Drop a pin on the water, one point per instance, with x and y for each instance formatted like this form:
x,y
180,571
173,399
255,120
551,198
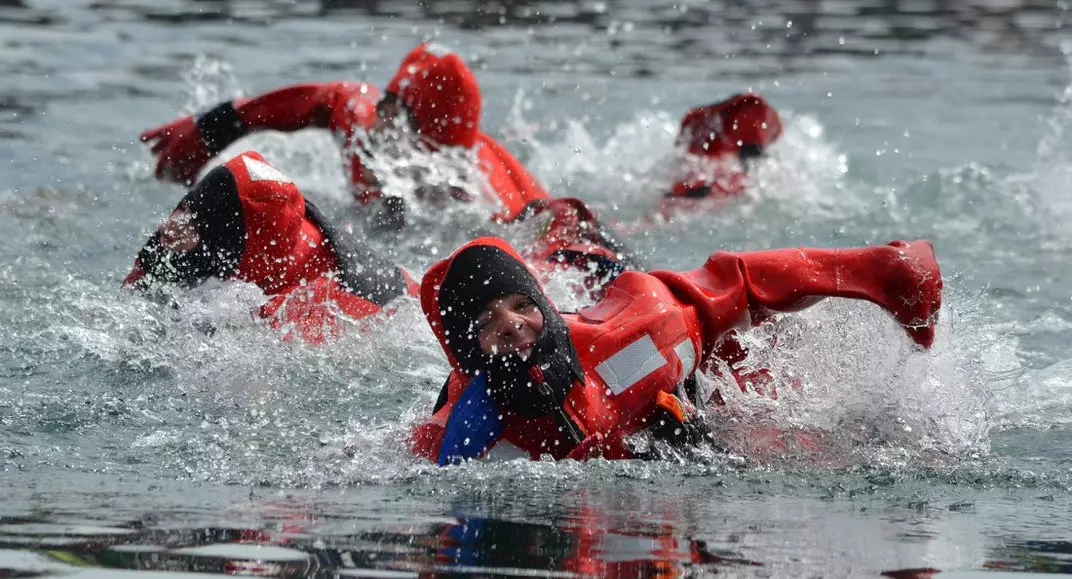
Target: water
x,y
143,438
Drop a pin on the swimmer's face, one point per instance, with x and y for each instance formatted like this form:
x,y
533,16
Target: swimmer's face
x,y
179,232
392,118
510,323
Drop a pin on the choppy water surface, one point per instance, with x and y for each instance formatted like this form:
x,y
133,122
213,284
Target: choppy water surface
x,y
145,438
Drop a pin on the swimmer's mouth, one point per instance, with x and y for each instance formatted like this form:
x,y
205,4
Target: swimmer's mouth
x,y
525,351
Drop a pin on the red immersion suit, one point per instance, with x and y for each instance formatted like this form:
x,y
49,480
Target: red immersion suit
x,y
435,86
253,225
653,330
721,138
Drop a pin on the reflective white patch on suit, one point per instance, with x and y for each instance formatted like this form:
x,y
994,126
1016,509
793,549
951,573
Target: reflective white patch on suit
x,y
505,451
686,352
259,171
630,364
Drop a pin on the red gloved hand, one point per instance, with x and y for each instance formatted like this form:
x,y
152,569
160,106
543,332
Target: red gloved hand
x,y
179,150
915,289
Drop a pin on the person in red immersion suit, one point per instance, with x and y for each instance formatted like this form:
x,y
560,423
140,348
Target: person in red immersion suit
x,y
433,101
246,221
721,141
527,380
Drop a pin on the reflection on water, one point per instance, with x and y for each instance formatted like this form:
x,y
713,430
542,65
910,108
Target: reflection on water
x,y
580,547
754,524
465,546
1032,555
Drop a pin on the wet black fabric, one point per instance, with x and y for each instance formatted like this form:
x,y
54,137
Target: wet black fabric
x,y
444,396
478,275
217,213
751,151
699,192
361,271
220,127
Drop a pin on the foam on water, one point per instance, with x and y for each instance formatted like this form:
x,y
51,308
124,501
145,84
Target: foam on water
x,y
848,376
1052,173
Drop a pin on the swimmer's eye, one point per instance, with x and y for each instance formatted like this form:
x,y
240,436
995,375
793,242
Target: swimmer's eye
x,y
525,305
521,306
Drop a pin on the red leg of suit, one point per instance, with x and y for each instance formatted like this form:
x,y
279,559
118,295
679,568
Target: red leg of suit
x,y
902,277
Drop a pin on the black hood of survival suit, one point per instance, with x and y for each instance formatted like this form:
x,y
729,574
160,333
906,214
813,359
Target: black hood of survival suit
x,y
217,213
360,270
478,275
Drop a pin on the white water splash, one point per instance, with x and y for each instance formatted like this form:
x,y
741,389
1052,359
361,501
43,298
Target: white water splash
x,y
847,374
406,170
208,82
628,171
1052,174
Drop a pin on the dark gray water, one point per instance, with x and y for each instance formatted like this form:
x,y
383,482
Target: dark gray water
x,y
131,438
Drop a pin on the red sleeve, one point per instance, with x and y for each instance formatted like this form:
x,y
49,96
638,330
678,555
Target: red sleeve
x,y
512,184
339,106
427,435
311,312
903,278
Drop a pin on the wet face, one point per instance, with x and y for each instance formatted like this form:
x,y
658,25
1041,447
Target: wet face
x,y
179,232
177,254
392,118
511,323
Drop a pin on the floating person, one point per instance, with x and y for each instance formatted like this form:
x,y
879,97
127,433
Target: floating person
x,y
433,102
721,141
528,381
247,221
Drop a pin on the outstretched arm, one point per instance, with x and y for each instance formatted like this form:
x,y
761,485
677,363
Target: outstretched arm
x,y
902,277
183,146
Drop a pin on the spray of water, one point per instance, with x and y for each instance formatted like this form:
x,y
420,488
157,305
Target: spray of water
x,y
627,172
208,82
844,384
1053,170
431,182
1037,396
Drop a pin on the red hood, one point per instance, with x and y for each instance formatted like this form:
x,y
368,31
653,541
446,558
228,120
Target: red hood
x,y
721,128
441,93
273,211
432,281
740,126
251,209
